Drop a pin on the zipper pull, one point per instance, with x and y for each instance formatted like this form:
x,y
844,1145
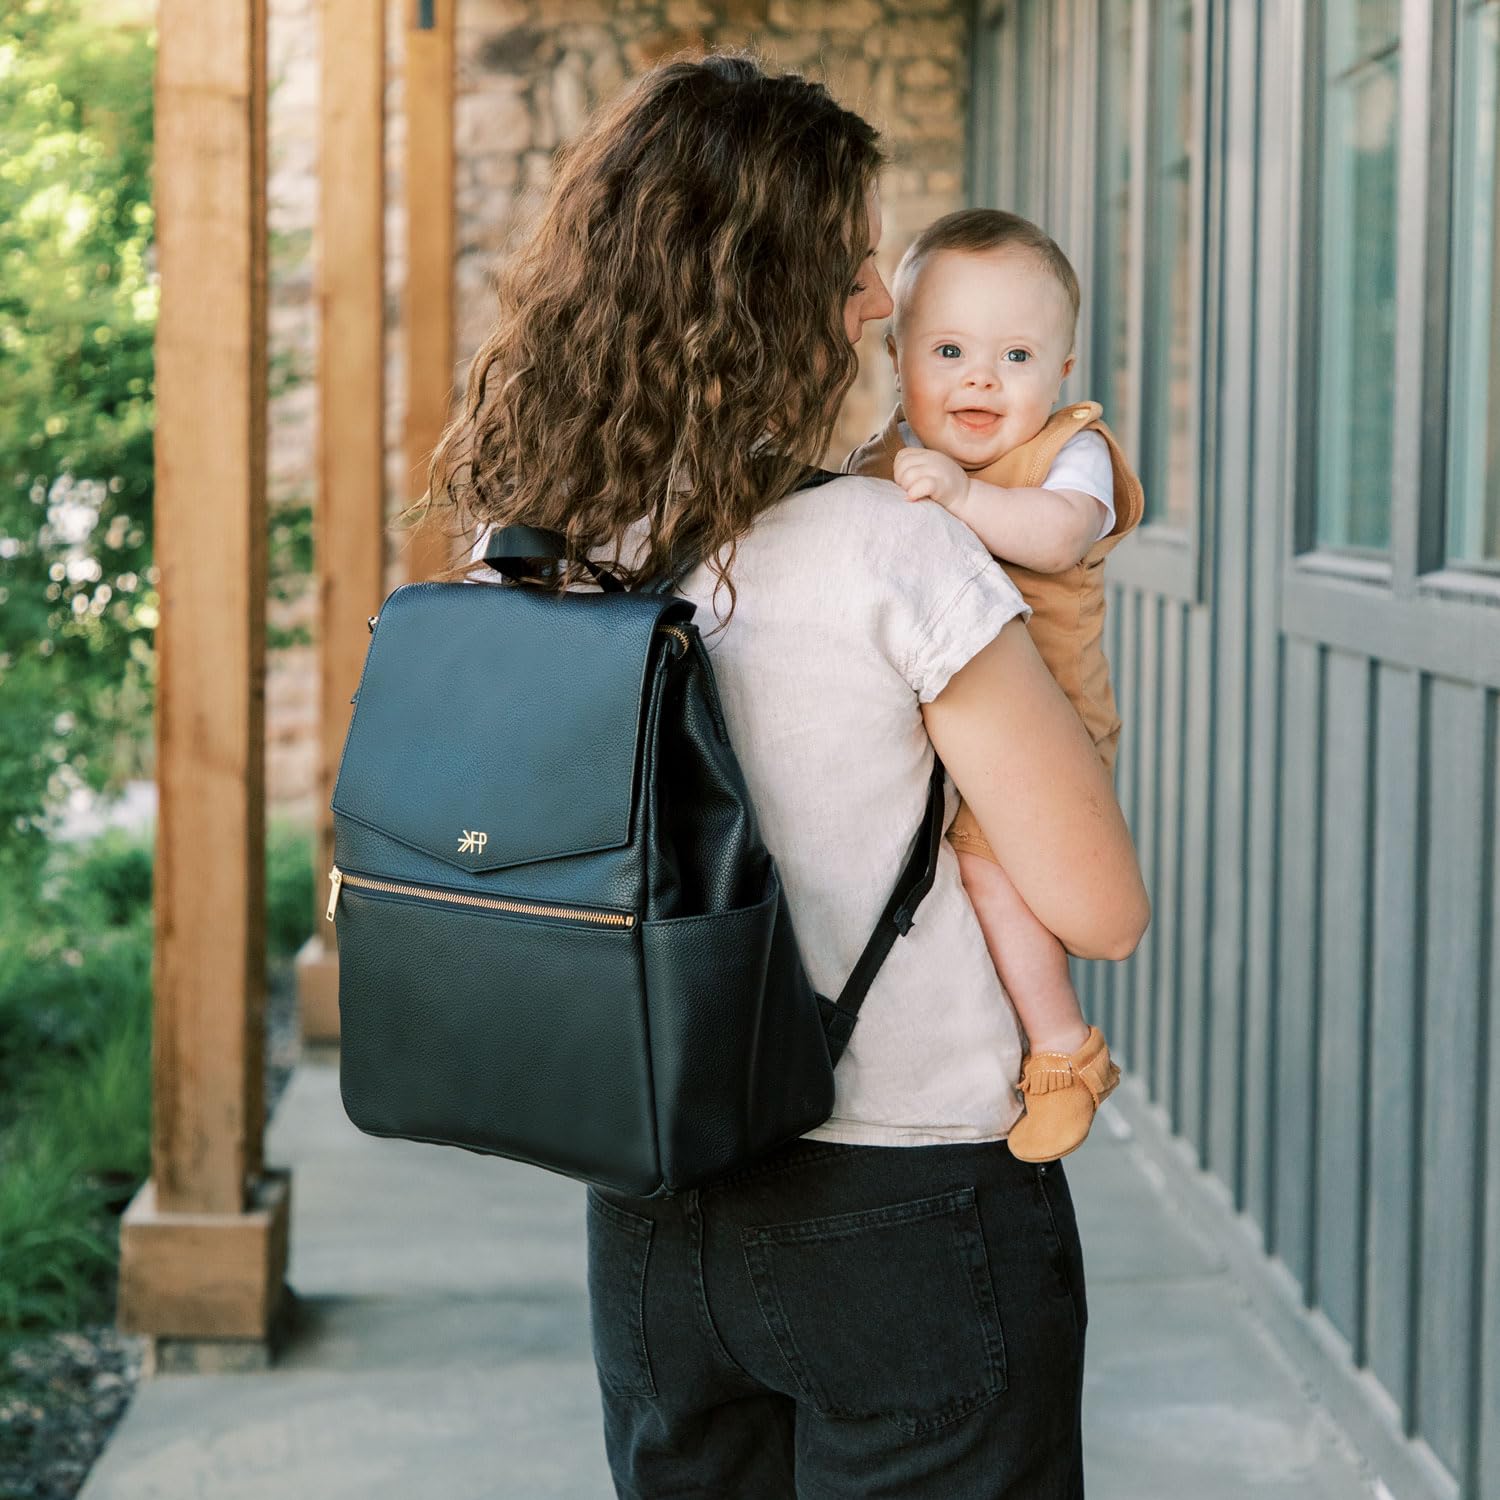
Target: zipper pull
x,y
335,882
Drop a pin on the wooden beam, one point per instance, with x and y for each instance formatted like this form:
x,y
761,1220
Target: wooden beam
x,y
351,422
211,550
428,310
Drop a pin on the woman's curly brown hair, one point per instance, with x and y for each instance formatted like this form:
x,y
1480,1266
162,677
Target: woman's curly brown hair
x,y
670,345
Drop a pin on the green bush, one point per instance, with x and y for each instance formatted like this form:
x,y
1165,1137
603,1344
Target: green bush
x,y
75,1063
75,964
56,1248
75,1079
289,888
78,612
78,604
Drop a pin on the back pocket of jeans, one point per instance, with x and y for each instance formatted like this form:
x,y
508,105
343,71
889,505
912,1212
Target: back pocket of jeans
x,y
619,1253
888,1312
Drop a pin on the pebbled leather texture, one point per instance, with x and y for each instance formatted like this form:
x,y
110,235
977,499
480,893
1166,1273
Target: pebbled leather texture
x,y
649,1054
427,708
738,1058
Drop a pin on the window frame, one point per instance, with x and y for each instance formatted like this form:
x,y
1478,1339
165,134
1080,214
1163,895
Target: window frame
x,y
1059,163
986,162
1167,559
1102,307
1019,176
1161,557
1410,608
1434,549
1351,560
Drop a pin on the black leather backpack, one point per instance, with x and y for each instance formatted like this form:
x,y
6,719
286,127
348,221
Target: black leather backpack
x,y
561,939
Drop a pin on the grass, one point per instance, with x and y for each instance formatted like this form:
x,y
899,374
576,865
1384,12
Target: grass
x,y
57,1253
75,1065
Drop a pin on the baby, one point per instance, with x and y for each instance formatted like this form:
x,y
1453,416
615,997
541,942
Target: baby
x,y
982,338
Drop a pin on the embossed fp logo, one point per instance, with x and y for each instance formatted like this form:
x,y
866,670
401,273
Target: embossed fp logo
x,y
473,843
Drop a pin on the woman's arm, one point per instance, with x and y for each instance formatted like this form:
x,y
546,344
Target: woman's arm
x,y
1020,756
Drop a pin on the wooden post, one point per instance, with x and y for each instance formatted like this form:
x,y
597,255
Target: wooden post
x,y
203,1244
351,437
428,311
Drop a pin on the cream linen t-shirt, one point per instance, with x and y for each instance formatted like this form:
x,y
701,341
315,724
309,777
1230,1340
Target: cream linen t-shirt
x,y
854,607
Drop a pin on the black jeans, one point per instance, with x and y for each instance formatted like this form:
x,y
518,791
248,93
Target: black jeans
x,y
844,1323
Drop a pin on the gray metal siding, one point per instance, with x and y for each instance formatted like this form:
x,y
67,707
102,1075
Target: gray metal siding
x,y
1337,1073
1310,770
1394,1030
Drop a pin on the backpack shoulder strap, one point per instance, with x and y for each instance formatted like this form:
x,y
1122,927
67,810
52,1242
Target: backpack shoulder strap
x,y
895,921
916,877
521,552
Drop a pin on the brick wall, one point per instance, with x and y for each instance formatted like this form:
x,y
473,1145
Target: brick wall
x,y
528,73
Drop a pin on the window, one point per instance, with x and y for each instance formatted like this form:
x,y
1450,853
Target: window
x,y
1112,354
1395,370
995,110
1170,391
1473,494
1017,76
1356,332
1033,26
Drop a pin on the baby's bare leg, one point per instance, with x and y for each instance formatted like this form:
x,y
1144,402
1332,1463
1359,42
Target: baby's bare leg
x,y
1032,964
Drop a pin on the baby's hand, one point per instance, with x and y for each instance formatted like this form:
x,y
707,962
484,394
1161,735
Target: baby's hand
x,y
928,475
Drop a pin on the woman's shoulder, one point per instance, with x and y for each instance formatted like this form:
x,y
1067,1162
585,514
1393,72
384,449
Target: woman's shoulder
x,y
922,583
870,523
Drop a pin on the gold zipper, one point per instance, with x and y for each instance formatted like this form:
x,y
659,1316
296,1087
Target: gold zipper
x,y
337,879
679,635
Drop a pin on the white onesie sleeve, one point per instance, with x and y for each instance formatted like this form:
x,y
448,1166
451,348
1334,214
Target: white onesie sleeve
x,y
1083,464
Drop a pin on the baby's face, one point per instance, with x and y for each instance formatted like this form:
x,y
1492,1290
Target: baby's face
x,y
986,340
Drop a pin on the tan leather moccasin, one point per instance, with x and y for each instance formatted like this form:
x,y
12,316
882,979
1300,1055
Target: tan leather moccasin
x,y
1063,1090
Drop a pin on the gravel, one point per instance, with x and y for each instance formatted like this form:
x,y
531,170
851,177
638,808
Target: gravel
x,y
60,1397
283,1029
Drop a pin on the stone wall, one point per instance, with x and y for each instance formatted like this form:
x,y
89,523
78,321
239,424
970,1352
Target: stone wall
x,y
530,70
292,205
528,73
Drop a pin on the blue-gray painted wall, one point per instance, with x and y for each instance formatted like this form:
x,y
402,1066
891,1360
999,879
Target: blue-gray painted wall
x,y
1309,760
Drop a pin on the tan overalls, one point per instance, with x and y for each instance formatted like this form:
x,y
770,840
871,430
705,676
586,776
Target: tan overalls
x,y
1067,608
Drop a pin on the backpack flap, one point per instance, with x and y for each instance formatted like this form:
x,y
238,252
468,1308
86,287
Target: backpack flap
x,y
496,725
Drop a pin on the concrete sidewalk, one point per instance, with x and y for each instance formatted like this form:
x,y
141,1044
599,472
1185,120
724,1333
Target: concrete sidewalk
x,y
442,1348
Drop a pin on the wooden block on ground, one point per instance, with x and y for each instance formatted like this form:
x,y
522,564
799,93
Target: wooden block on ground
x,y
317,970
205,1276
166,1356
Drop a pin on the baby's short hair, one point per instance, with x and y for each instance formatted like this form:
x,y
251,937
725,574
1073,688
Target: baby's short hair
x,y
975,230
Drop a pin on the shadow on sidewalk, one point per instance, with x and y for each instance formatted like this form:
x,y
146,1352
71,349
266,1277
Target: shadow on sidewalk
x,y
441,1349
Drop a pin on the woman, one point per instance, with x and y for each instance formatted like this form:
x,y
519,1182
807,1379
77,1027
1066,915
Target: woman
x,y
893,1305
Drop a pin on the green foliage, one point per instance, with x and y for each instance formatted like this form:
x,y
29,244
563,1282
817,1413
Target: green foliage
x,y
75,1062
78,612
289,888
75,1078
75,972
73,967
291,561
54,1244
77,317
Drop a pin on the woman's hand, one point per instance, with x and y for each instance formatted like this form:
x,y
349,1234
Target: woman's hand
x,y
1020,756
926,474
